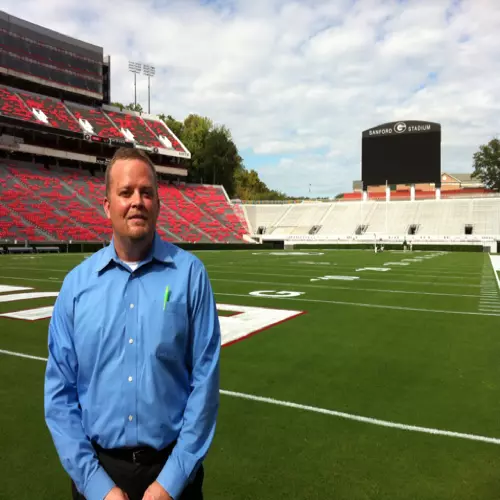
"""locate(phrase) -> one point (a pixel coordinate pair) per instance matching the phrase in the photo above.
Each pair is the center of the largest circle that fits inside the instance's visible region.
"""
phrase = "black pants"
(134, 479)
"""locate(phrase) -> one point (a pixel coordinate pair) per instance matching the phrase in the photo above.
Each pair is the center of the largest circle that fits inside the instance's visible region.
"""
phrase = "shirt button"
(131, 306)
(130, 341)
(130, 418)
(130, 379)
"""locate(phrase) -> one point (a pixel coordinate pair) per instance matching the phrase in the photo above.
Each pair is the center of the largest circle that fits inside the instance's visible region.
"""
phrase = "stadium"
(347, 372)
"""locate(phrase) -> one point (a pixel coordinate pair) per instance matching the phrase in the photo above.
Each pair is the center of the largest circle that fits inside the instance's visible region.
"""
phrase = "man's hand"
(156, 492)
(116, 494)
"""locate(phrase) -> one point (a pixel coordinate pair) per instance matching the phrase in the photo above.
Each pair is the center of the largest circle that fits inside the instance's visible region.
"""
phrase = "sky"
(297, 82)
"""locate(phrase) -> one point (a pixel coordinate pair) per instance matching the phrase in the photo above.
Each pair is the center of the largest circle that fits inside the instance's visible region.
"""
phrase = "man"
(132, 379)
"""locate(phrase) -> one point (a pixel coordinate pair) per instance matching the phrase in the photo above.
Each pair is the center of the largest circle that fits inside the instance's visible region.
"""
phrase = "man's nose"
(137, 198)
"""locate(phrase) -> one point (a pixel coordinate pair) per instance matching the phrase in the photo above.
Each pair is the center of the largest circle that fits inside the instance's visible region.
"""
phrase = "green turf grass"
(365, 347)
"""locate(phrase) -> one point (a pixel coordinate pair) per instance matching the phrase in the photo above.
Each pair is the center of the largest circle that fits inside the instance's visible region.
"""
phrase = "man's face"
(132, 202)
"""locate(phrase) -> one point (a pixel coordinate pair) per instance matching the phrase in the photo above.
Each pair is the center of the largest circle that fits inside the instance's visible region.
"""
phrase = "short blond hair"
(130, 154)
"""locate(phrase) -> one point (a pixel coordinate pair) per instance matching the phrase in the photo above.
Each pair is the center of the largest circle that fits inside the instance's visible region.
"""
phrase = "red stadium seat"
(12, 106)
(137, 127)
(54, 110)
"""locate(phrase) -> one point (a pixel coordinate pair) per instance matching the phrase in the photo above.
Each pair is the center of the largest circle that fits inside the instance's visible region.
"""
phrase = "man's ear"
(106, 207)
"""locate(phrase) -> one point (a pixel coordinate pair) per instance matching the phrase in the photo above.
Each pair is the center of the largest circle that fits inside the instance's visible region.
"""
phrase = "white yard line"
(274, 283)
(353, 289)
(325, 411)
(360, 304)
(340, 267)
(319, 273)
(30, 279)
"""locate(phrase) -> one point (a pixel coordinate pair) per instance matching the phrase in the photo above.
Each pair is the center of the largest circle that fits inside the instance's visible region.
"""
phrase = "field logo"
(400, 127)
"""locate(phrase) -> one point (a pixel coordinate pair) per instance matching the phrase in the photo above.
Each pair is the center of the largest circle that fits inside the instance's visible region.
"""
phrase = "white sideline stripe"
(336, 287)
(324, 411)
(495, 268)
(361, 304)
(358, 418)
(21, 355)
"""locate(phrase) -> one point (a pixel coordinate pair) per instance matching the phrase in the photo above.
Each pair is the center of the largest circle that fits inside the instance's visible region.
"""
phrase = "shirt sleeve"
(62, 409)
(202, 406)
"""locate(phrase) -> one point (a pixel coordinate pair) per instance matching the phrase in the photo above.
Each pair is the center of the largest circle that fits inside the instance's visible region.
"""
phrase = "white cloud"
(295, 78)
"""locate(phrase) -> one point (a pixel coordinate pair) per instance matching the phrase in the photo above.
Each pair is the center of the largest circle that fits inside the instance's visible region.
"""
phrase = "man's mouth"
(137, 217)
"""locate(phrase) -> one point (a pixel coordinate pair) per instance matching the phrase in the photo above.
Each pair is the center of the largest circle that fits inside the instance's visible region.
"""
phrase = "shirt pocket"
(173, 332)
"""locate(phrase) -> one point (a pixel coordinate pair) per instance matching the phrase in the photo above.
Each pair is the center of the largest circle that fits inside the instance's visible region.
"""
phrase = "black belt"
(143, 455)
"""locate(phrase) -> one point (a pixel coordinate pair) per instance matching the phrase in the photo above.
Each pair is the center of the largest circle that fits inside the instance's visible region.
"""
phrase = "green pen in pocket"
(165, 297)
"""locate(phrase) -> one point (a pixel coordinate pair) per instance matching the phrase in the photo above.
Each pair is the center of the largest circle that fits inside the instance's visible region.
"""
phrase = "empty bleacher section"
(94, 121)
(12, 106)
(430, 218)
(72, 117)
(50, 111)
(134, 128)
(213, 201)
(61, 204)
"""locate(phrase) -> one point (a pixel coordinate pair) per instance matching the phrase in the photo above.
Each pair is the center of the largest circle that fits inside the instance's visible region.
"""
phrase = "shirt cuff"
(99, 485)
(172, 478)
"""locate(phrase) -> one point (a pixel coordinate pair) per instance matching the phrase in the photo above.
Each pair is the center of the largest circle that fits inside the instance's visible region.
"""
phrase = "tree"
(134, 107)
(175, 126)
(487, 164)
(219, 158)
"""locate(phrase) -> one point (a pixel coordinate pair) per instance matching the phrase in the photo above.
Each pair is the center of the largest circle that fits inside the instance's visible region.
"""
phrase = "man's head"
(131, 201)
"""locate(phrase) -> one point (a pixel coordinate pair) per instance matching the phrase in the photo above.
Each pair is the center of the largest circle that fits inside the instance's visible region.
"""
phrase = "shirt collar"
(159, 251)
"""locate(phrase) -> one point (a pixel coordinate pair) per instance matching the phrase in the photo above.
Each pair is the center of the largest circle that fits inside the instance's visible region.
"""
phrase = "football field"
(345, 375)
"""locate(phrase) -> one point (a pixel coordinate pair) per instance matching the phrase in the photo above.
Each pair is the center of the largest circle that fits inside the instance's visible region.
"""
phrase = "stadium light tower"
(149, 71)
(135, 67)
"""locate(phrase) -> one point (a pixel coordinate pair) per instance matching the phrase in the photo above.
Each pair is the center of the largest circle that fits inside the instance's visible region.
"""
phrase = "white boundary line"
(21, 355)
(494, 271)
(324, 411)
(358, 418)
(309, 276)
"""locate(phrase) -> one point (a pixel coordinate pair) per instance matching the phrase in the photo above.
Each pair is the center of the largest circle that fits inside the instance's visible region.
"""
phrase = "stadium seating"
(24, 203)
(99, 123)
(49, 186)
(51, 112)
(136, 125)
(12, 106)
(432, 218)
(54, 110)
(212, 200)
(42, 204)
(191, 213)
(160, 130)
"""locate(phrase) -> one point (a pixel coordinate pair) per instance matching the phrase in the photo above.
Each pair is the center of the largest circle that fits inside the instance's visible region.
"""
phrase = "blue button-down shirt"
(133, 361)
